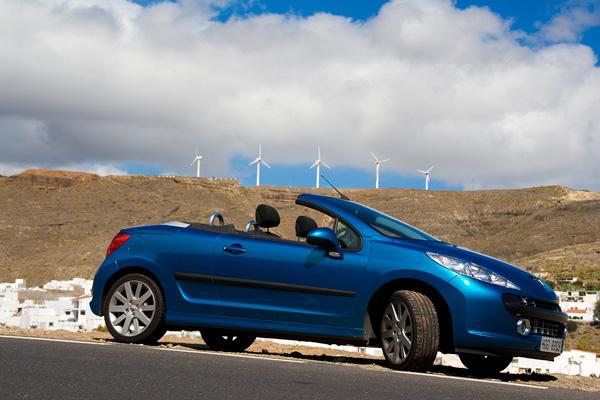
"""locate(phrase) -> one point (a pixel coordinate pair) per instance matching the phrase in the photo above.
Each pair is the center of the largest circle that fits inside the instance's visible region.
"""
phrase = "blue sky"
(526, 15)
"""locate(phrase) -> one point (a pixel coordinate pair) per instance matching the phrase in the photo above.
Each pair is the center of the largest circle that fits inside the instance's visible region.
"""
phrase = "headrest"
(267, 216)
(304, 225)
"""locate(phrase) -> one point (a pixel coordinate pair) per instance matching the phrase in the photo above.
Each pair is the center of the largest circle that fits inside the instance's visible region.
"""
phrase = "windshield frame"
(359, 210)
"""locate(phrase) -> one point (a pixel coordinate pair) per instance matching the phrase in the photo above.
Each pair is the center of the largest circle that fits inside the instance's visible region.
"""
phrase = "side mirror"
(325, 238)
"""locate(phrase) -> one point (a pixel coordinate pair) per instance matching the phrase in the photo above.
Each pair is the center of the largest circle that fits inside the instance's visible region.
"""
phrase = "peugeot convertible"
(363, 278)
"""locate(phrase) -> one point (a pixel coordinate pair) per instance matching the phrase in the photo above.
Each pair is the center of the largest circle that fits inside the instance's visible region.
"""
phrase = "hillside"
(56, 225)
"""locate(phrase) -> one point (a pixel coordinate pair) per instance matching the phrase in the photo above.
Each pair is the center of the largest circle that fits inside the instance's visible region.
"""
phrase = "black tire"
(481, 365)
(230, 343)
(149, 333)
(413, 348)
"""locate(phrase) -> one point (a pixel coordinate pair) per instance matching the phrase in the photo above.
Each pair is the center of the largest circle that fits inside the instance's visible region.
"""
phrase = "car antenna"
(342, 195)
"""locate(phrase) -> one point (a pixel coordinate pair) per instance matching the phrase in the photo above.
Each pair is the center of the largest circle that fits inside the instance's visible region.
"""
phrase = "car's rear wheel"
(134, 309)
(222, 342)
(409, 331)
(484, 365)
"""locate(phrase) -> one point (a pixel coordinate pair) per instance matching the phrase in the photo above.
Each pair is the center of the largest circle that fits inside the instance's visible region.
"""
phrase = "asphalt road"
(50, 369)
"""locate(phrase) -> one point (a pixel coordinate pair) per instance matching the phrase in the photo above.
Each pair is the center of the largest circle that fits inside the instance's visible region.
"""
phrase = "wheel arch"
(383, 293)
(131, 270)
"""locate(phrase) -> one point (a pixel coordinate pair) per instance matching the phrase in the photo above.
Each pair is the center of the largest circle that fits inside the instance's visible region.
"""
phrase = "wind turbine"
(378, 163)
(259, 161)
(318, 164)
(197, 160)
(426, 172)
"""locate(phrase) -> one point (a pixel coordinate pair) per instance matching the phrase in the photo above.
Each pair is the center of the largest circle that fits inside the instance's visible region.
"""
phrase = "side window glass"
(346, 235)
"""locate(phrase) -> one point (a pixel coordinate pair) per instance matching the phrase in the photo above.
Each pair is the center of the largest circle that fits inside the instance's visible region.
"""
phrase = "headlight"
(472, 270)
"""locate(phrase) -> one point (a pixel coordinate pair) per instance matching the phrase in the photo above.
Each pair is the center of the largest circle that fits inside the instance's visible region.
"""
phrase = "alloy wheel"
(396, 332)
(132, 308)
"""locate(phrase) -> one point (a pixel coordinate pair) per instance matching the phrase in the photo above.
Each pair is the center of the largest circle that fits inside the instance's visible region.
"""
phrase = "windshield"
(385, 224)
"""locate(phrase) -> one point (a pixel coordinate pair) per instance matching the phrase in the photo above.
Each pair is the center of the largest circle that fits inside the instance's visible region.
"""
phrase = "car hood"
(529, 284)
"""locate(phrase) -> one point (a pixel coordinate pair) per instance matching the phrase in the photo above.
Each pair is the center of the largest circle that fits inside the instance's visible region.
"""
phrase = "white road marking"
(460, 378)
(214, 353)
(54, 340)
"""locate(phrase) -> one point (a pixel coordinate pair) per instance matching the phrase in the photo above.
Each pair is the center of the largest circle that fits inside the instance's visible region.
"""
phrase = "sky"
(495, 94)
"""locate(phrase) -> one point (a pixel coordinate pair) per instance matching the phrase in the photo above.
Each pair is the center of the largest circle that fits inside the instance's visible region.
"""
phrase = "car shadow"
(375, 362)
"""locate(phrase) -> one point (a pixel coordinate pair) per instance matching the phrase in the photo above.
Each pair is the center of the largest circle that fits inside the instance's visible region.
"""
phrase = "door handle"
(235, 249)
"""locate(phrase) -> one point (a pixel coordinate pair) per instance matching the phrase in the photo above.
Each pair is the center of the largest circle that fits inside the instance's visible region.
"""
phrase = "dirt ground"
(271, 349)
(585, 338)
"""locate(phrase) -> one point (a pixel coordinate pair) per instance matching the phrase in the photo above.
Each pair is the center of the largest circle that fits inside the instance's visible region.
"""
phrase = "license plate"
(551, 345)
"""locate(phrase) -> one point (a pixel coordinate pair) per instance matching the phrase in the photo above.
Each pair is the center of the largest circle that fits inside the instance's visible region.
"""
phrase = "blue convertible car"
(365, 279)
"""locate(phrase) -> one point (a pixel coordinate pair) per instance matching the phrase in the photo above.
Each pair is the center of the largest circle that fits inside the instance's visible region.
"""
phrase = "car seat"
(304, 225)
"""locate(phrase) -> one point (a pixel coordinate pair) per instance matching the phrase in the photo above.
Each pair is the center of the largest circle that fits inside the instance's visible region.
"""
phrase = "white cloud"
(98, 169)
(100, 82)
(568, 25)
(8, 170)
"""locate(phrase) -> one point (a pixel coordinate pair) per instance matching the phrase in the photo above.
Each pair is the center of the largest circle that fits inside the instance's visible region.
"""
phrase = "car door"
(281, 284)
(190, 259)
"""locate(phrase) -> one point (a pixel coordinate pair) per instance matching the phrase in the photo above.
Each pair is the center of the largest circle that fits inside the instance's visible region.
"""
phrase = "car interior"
(267, 218)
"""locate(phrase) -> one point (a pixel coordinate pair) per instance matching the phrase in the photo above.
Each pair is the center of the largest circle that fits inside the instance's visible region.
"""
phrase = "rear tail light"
(117, 242)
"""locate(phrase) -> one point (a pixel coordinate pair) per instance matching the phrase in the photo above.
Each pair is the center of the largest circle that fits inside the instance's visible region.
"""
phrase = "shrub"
(584, 344)
(572, 326)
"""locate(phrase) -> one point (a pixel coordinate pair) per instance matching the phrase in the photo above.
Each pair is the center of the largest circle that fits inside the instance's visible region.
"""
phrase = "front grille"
(540, 304)
(547, 328)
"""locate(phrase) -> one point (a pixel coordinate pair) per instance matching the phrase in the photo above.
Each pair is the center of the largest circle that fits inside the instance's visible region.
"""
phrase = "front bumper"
(487, 322)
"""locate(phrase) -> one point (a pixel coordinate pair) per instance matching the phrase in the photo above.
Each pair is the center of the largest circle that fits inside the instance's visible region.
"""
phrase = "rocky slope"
(56, 225)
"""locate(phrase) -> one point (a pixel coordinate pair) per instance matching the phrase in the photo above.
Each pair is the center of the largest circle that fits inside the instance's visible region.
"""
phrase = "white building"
(9, 298)
(82, 313)
(70, 285)
(572, 362)
(9, 304)
(579, 306)
(71, 313)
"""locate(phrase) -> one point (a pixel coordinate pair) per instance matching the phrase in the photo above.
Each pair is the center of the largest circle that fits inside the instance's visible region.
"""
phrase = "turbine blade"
(315, 164)
(254, 162)
(386, 160)
(319, 151)
(421, 171)
(430, 168)
(265, 164)
(373, 155)
(325, 165)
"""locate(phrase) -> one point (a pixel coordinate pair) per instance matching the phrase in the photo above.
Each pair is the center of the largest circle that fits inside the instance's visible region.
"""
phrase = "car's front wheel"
(134, 310)
(409, 331)
(484, 365)
(222, 342)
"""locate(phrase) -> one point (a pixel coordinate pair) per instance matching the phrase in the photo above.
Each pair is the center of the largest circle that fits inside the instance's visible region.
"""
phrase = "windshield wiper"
(448, 243)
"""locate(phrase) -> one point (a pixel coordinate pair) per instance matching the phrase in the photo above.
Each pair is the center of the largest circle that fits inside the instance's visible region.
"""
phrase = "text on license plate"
(551, 345)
